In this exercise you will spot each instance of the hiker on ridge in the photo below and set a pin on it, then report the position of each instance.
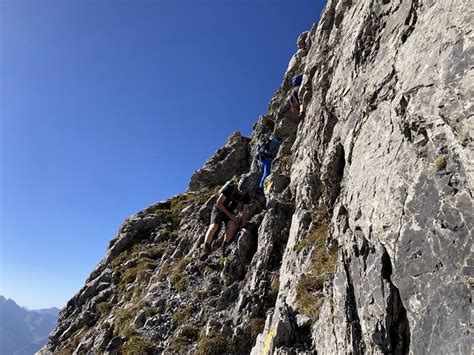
(233, 197)
(293, 98)
(266, 152)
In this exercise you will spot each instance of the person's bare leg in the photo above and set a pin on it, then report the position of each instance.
(211, 231)
(230, 231)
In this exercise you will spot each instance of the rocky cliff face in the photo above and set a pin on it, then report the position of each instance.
(362, 241)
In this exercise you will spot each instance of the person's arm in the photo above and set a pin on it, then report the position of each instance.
(294, 105)
(221, 207)
(245, 215)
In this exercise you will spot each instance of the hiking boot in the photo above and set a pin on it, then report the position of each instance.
(206, 250)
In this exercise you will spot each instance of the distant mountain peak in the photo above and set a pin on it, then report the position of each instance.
(22, 330)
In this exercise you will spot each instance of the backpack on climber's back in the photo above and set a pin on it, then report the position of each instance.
(269, 148)
(297, 80)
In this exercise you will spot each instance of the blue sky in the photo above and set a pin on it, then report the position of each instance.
(109, 106)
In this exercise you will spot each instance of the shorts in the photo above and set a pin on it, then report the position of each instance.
(217, 217)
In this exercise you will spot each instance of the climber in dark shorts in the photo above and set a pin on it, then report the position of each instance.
(233, 197)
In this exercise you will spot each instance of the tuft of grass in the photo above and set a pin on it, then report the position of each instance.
(179, 345)
(214, 344)
(124, 317)
(178, 280)
(138, 345)
(103, 308)
(171, 209)
(120, 259)
(178, 276)
(322, 188)
(158, 251)
(309, 296)
(183, 315)
(274, 287)
(440, 162)
(321, 214)
(139, 273)
(164, 271)
(256, 326)
(190, 332)
(199, 294)
(314, 237)
(72, 342)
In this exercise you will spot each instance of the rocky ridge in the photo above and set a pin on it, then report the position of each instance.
(361, 243)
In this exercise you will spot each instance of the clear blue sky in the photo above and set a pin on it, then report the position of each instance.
(109, 106)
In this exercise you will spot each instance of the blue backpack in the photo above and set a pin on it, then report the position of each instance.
(297, 80)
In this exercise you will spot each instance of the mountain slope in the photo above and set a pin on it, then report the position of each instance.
(24, 331)
(362, 240)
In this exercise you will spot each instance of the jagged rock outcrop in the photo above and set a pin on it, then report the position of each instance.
(362, 241)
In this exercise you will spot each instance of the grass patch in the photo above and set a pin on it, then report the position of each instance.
(322, 188)
(183, 315)
(321, 214)
(256, 326)
(323, 262)
(190, 332)
(171, 209)
(178, 280)
(139, 273)
(178, 276)
(157, 252)
(199, 294)
(71, 343)
(214, 344)
(164, 272)
(123, 320)
(274, 287)
(440, 162)
(312, 238)
(138, 345)
(104, 308)
(179, 345)
(123, 326)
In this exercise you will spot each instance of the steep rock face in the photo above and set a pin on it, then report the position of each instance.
(362, 241)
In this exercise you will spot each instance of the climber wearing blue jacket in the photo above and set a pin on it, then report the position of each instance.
(266, 152)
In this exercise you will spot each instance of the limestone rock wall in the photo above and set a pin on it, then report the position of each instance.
(362, 241)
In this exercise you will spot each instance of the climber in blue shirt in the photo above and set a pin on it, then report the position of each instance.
(266, 152)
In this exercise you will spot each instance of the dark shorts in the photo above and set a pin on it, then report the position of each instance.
(217, 217)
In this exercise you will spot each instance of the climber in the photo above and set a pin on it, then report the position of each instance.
(233, 197)
(293, 98)
(266, 152)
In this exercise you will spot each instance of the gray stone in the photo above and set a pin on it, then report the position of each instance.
(359, 229)
(139, 320)
(302, 320)
(114, 344)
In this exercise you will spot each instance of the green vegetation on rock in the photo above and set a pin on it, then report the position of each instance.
(138, 345)
(183, 315)
(214, 344)
(323, 262)
(440, 162)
